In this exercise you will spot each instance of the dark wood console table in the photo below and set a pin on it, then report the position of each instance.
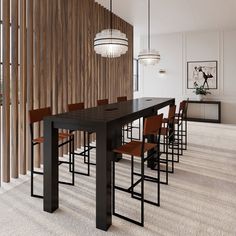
(205, 119)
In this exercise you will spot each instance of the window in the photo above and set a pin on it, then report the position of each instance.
(136, 75)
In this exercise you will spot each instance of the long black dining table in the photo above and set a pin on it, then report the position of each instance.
(106, 121)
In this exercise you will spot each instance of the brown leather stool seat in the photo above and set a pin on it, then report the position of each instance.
(134, 148)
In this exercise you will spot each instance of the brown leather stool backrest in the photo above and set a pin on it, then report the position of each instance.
(152, 125)
(76, 106)
(182, 107)
(186, 109)
(37, 115)
(171, 115)
(102, 102)
(122, 99)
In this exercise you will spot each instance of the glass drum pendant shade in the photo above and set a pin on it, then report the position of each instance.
(149, 57)
(110, 43)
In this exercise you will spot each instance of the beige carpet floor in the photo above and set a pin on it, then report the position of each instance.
(199, 200)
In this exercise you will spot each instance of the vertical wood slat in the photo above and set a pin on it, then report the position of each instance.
(74, 45)
(36, 77)
(89, 56)
(43, 65)
(22, 143)
(79, 81)
(64, 61)
(100, 61)
(14, 86)
(93, 69)
(54, 57)
(30, 74)
(43, 56)
(48, 45)
(105, 92)
(84, 76)
(69, 62)
(74, 76)
(6, 93)
(0, 102)
(59, 61)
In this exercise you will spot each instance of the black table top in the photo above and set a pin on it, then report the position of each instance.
(111, 112)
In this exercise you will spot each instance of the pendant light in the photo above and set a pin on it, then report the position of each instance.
(111, 42)
(149, 56)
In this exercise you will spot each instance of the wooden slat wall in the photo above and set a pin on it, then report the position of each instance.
(58, 66)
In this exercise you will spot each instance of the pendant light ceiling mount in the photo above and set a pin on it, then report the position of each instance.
(111, 42)
(149, 56)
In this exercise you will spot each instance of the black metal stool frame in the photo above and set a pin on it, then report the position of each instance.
(85, 153)
(70, 162)
(130, 128)
(143, 177)
(168, 142)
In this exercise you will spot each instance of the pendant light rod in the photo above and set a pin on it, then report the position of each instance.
(149, 28)
(111, 14)
(149, 56)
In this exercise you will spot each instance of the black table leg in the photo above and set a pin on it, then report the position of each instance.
(108, 137)
(103, 179)
(50, 180)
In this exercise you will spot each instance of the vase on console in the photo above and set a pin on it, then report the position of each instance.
(200, 92)
(200, 97)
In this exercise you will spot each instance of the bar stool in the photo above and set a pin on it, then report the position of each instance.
(168, 135)
(185, 128)
(100, 102)
(87, 147)
(179, 121)
(152, 128)
(129, 128)
(36, 116)
(178, 130)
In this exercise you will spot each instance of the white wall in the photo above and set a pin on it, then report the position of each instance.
(178, 48)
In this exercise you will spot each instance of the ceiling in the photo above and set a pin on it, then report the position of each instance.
(170, 16)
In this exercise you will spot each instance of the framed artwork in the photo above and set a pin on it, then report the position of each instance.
(203, 73)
